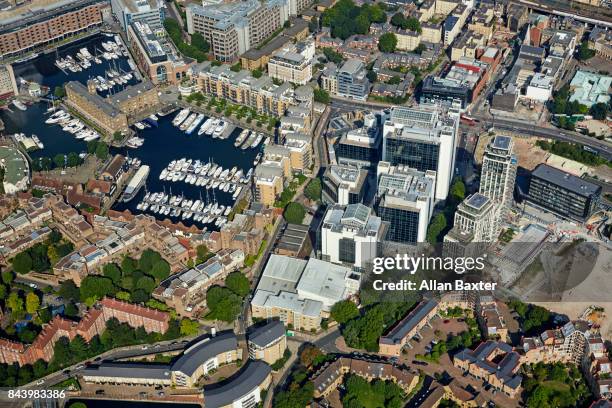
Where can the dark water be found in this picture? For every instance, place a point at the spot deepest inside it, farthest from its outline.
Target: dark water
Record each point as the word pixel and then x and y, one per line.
pixel 166 143
pixel 44 71
pixel 129 404
pixel 53 137
pixel 162 145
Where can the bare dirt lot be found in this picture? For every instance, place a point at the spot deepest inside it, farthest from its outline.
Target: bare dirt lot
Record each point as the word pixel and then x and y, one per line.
pixel 528 154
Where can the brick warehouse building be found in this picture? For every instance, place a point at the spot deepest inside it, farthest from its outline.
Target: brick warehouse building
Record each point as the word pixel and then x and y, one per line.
pixel 92 324
pixel 34 26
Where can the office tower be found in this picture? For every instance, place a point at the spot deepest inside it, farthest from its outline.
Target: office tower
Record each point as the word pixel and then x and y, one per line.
pixel 424 139
pixel 350 235
pixel 361 147
pixel 499 171
pixel 233 28
pixel 405 200
pixel 344 184
pixel 150 12
pixel 562 193
pixel 349 81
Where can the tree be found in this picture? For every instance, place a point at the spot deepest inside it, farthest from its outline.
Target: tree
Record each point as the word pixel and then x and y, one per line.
pixel 78 405
pixel 203 254
pixel 59 92
pixel 128 265
pixel 257 73
pixel 387 42
pixel 436 226
pixel 313 190
pixel 78 348
pixel 309 355
pixel 294 213
pixel 8 277
pixel 394 80
pixel 117 136
pixel 148 259
pixel 59 160
pixel 71 310
pixel 238 283
pixel 102 151
pixel 332 55
pixel 420 48
pixel 344 311
pixel 113 272
pixel 160 271
pixel 321 96
pixel 199 42
pixel 584 52
pixel 69 291
pixel 189 327
pixel 223 303
pixel 39 368
pixel 457 191
pixel 3 292
pixel 372 76
pixel 96 287
pixel 14 302
pixel 32 303
pixel 22 263
pixel 599 111
pixel 146 283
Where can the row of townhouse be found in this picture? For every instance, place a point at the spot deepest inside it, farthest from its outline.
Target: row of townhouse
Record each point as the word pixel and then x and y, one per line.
pixel 93 323
pixel 123 238
pixel 185 291
pixel 24 228
pixel 241 88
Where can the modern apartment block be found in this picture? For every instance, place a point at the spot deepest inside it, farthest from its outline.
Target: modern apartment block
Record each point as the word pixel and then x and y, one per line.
pixel 233 28
pixel 423 138
pixel 301 293
pixel 150 12
pixel 350 235
pixel 39 23
pixel 271 173
pixel 498 173
pixel 495 362
pixel 476 225
pixel 293 63
pixel 343 184
pixel 348 81
pixel 562 193
pixel 361 147
pixel 155 55
pixel 405 200
pixel 268 342
pixel 244 89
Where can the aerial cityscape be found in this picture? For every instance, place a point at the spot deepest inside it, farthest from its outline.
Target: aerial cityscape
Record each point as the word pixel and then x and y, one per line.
pixel 305 203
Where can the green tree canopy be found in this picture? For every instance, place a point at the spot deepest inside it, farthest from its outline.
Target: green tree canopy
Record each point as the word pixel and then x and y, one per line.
pixel 224 304
pixel 238 283
pixel 436 226
pixel 313 189
pixel 189 327
pixel 69 291
pixel 113 272
pixel 387 42
pixel 294 213
pixel 148 259
pixel 344 311
pixel 161 270
pixel 22 263
pixel 96 287
pixel 32 303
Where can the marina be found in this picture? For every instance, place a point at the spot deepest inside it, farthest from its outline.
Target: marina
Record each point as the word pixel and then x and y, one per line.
pixel 81 61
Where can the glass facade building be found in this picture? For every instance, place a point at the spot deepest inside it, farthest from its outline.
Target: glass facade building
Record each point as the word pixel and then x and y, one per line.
pixel 403 224
pixel 417 155
pixel 562 193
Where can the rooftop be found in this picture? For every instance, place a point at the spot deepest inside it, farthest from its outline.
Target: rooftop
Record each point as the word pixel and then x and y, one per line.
pixel 566 180
pixel 267 334
pixel 251 377
pixel 204 349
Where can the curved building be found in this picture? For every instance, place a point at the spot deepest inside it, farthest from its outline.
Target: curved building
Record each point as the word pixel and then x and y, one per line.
pixel 205 355
pixel 242 390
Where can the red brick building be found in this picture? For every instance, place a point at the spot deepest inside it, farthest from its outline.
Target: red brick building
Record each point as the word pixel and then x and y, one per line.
pixel 92 324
